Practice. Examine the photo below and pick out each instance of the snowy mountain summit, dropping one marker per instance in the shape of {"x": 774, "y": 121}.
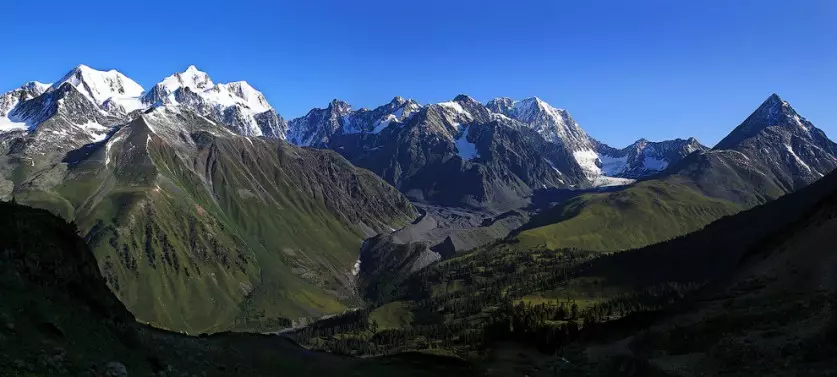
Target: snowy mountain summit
{"x": 85, "y": 105}
{"x": 237, "y": 105}
{"x": 111, "y": 90}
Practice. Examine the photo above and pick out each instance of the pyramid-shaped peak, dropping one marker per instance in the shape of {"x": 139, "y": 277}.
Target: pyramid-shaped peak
{"x": 464, "y": 98}
{"x": 773, "y": 112}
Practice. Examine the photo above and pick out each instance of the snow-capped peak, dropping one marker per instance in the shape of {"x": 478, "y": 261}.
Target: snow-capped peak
{"x": 36, "y": 87}
{"x": 9, "y": 100}
{"x": 100, "y": 86}
{"x": 249, "y": 96}
{"x": 191, "y": 78}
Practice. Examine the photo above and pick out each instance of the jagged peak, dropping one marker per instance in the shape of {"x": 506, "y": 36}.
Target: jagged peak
{"x": 774, "y": 111}
{"x": 339, "y": 106}
{"x": 36, "y": 85}
{"x": 398, "y": 101}
{"x": 501, "y": 99}
{"x": 192, "y": 78}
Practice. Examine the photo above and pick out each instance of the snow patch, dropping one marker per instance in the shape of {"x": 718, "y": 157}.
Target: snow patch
{"x": 604, "y": 181}
{"x": 799, "y": 160}
{"x": 381, "y": 124}
{"x": 96, "y": 131}
{"x": 452, "y": 105}
{"x": 7, "y": 125}
{"x": 109, "y": 145}
{"x": 466, "y": 149}
{"x": 587, "y": 159}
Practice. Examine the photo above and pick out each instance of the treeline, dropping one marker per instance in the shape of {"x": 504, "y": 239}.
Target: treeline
{"x": 467, "y": 303}
{"x": 549, "y": 326}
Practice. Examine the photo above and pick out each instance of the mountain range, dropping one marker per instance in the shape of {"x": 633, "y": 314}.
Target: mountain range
{"x": 483, "y": 146}
{"x": 208, "y": 211}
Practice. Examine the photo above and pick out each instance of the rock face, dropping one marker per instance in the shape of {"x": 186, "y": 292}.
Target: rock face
{"x": 554, "y": 125}
{"x": 773, "y": 152}
{"x": 453, "y": 153}
{"x": 644, "y": 158}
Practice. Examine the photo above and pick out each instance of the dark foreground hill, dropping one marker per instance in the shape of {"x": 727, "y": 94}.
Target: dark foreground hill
{"x": 58, "y": 318}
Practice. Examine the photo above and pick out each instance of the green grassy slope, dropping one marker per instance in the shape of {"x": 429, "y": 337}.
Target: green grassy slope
{"x": 58, "y": 318}
{"x": 200, "y": 232}
{"x": 642, "y": 214}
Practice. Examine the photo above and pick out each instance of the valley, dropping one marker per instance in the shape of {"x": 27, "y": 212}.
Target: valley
{"x": 193, "y": 216}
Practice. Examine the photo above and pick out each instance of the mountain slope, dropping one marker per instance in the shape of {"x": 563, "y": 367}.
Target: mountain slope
{"x": 773, "y": 152}
{"x": 639, "y": 215}
{"x": 644, "y": 158}
{"x": 554, "y": 125}
{"x": 455, "y": 153}
{"x": 769, "y": 306}
{"x": 756, "y": 163}
{"x": 60, "y": 319}
{"x": 197, "y": 228}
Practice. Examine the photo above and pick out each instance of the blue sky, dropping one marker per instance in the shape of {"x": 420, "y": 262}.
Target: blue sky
{"x": 624, "y": 69}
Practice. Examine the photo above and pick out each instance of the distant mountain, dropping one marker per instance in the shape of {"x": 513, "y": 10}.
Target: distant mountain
{"x": 319, "y": 126}
{"x": 452, "y": 153}
{"x": 238, "y": 105}
{"x": 554, "y": 125}
{"x": 770, "y": 267}
{"x": 773, "y": 152}
{"x": 111, "y": 90}
{"x": 644, "y": 158}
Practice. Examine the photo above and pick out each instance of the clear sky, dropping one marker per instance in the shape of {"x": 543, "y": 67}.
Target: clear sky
{"x": 624, "y": 69}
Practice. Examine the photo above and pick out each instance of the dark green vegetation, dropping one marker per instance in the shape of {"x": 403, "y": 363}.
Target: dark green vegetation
{"x": 200, "y": 230}
{"x": 749, "y": 294}
{"x": 58, "y": 318}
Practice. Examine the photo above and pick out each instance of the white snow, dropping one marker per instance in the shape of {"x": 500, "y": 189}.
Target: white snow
{"x": 587, "y": 158}
{"x": 356, "y": 267}
{"x": 554, "y": 168}
{"x": 613, "y": 165}
{"x": 604, "y": 181}
{"x": 381, "y": 124}
{"x": 466, "y": 149}
{"x": 109, "y": 145}
{"x": 99, "y": 86}
{"x": 128, "y": 103}
{"x": 7, "y": 125}
{"x": 191, "y": 78}
{"x": 453, "y": 105}
{"x": 96, "y": 131}
{"x": 799, "y": 160}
